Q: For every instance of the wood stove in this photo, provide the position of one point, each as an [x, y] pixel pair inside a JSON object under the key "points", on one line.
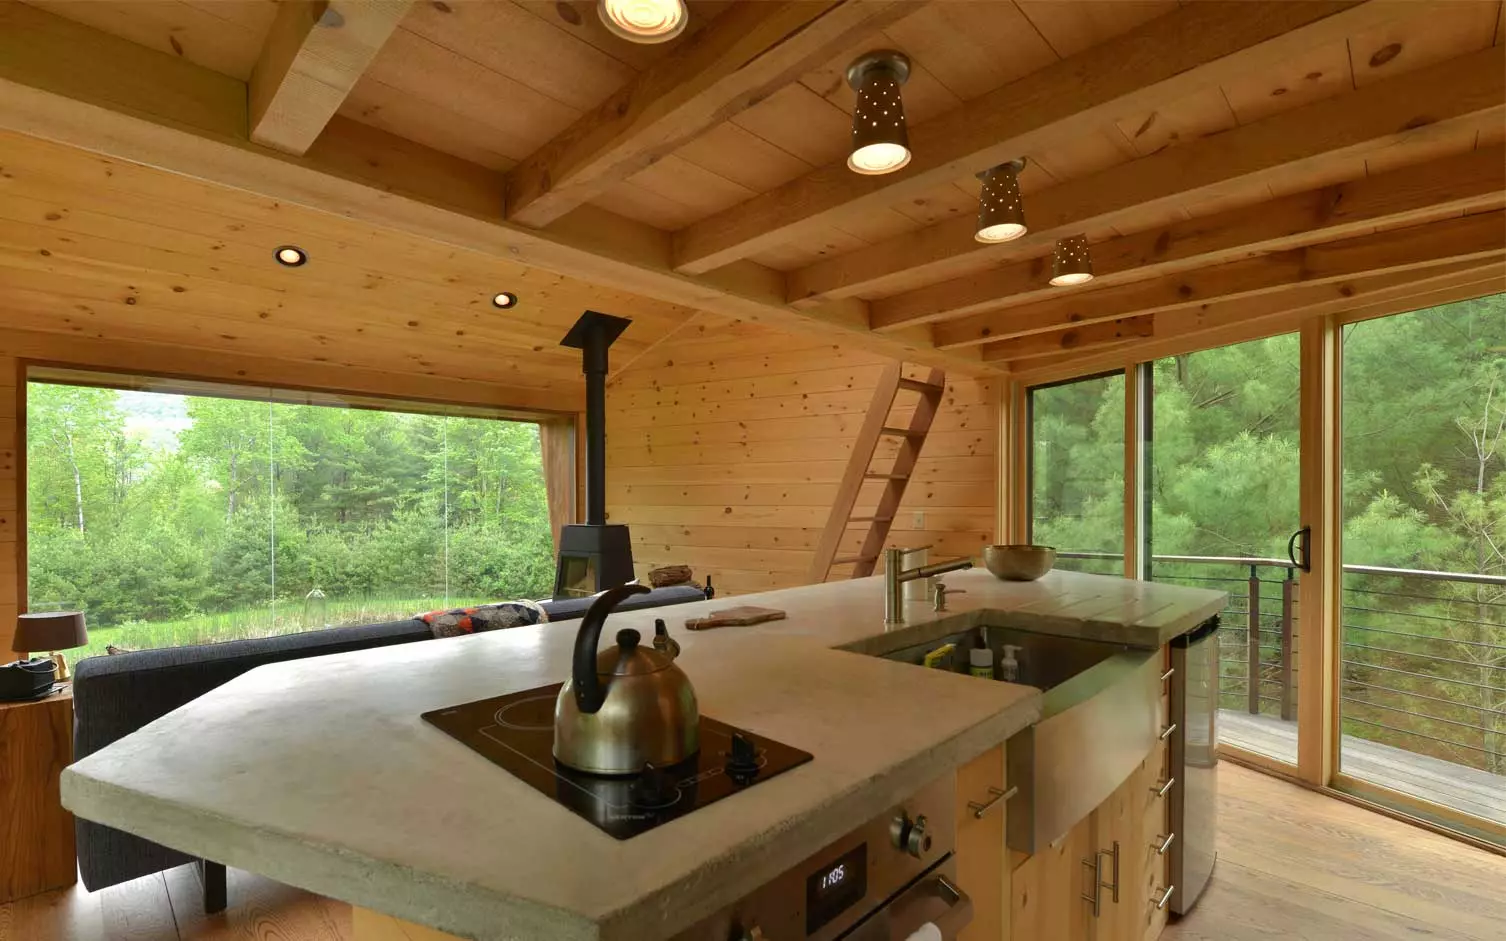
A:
{"points": [[594, 556]]}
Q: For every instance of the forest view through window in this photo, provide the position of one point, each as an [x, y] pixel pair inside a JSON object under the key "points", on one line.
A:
{"points": [[182, 519]]}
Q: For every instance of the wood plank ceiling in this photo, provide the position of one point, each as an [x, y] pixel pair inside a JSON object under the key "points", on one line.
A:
{"points": [[1224, 160]]}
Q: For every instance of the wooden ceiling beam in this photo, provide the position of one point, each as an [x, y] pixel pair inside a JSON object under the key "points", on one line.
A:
{"points": [[1251, 318], [1198, 46], [746, 54], [1421, 193], [1073, 339], [1467, 92], [313, 56], [64, 82], [1437, 243]]}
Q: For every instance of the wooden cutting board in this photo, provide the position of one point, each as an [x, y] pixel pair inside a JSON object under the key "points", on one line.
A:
{"points": [[735, 617]]}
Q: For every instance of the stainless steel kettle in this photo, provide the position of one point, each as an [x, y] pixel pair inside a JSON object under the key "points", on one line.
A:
{"points": [[625, 707]]}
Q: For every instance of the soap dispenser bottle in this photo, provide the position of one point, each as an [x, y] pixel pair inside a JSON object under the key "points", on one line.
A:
{"points": [[1009, 667], [980, 660]]}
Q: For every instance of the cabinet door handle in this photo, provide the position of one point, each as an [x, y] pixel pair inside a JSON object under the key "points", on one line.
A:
{"points": [[1096, 864], [1161, 790], [998, 797], [1162, 844], [1166, 732], [1164, 898], [1168, 674]]}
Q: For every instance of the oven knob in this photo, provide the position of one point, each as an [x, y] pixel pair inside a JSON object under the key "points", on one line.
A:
{"points": [[909, 835]]}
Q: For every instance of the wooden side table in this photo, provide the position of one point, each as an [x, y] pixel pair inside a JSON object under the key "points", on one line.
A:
{"points": [[36, 743]]}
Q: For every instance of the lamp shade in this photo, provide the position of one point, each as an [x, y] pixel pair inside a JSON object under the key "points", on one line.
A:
{"points": [[1001, 211], [880, 139], [1073, 263], [51, 630]]}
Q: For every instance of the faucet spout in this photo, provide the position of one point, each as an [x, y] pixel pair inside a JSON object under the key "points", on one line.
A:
{"points": [[895, 576]]}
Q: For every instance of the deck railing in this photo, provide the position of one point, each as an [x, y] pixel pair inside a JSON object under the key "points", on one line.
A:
{"points": [[1424, 662]]}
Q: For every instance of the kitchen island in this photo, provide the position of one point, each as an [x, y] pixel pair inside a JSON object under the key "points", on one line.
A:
{"points": [[320, 773]]}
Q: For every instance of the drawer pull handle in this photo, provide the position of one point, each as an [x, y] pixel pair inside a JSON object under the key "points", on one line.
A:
{"points": [[1096, 864], [1163, 789], [1168, 674], [1164, 898], [1166, 732], [998, 797], [1162, 845]]}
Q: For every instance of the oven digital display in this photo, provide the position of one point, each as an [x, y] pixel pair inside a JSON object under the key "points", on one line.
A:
{"points": [[835, 887]]}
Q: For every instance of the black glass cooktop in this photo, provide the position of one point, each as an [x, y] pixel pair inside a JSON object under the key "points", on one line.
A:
{"points": [[517, 732]]}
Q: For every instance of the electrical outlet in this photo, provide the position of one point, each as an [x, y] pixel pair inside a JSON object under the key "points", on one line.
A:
{"points": [[919, 522]]}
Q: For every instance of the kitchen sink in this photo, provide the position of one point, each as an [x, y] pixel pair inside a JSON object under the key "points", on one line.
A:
{"points": [[1100, 716]]}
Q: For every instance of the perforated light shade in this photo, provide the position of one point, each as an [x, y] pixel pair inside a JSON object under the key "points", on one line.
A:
{"points": [[880, 138], [644, 21], [1073, 263], [1001, 211]]}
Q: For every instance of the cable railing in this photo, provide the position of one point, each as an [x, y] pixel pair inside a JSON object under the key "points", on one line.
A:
{"points": [[1424, 653]]}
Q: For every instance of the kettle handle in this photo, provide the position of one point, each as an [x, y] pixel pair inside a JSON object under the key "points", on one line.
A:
{"points": [[589, 691]]}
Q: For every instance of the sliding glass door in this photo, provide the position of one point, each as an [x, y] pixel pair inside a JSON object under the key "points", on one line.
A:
{"points": [[1076, 472], [1222, 501], [1422, 692]]}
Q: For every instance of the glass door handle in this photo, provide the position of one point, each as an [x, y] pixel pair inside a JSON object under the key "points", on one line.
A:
{"points": [[1304, 536]]}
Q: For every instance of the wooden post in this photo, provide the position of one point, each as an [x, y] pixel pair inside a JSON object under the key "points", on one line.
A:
{"points": [[1317, 631]]}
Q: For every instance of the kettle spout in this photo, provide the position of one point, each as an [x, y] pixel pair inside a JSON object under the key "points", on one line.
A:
{"points": [[590, 693]]}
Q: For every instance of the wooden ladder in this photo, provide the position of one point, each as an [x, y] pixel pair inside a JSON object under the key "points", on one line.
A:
{"points": [[876, 426]]}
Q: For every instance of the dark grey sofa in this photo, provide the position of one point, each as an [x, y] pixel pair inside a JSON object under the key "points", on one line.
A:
{"points": [[115, 696]]}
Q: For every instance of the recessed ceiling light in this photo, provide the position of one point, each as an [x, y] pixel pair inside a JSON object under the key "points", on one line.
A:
{"points": [[644, 21], [290, 256], [1001, 211], [1073, 263], [504, 300], [880, 140]]}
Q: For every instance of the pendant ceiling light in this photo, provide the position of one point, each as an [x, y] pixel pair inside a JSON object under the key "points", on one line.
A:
{"points": [[1073, 263], [644, 21], [880, 140], [1001, 212]]}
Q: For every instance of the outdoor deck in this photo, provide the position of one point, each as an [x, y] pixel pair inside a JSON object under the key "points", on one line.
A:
{"points": [[1430, 779]]}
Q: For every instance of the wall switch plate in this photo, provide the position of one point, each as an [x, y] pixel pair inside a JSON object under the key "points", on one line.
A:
{"points": [[920, 520]]}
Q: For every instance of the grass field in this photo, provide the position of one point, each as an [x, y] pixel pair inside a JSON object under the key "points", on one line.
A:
{"points": [[260, 621]]}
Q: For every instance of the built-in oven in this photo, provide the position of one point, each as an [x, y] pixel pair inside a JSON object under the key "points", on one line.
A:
{"points": [[892, 879]]}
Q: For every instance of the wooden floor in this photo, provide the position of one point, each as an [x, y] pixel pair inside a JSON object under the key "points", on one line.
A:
{"points": [[1478, 793], [1293, 865]]}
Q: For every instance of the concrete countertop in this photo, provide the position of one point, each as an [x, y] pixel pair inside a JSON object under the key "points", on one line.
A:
{"points": [[320, 773]]}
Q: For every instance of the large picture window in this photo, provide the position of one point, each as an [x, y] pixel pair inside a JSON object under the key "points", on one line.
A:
{"points": [[173, 518]]}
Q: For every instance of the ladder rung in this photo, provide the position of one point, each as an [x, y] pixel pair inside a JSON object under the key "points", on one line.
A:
{"points": [[871, 519], [916, 385], [848, 560], [886, 476], [900, 432]]}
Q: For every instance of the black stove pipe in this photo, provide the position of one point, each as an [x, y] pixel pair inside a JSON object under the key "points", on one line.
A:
{"points": [[593, 334]]}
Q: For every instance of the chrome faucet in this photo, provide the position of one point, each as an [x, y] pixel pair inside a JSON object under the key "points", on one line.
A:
{"points": [[895, 576]]}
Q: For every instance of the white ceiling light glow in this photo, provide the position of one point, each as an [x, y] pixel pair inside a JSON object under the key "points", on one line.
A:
{"points": [[644, 21], [880, 139]]}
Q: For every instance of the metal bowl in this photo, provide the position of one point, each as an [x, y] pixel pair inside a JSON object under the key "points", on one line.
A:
{"points": [[1019, 563]]}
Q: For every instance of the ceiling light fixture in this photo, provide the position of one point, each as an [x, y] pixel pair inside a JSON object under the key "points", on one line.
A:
{"points": [[290, 256], [504, 300], [1001, 211], [644, 21], [880, 140], [1073, 263]]}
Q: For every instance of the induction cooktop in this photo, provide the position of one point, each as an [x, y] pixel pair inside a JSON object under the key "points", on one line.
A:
{"points": [[516, 732]]}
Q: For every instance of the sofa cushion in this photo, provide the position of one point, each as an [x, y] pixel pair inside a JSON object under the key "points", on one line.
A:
{"points": [[484, 617]]}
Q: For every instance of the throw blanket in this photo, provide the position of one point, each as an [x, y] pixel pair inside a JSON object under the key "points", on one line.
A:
{"points": [[486, 617]]}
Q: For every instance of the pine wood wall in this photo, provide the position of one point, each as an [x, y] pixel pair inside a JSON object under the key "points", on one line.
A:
{"points": [[726, 444], [10, 503]]}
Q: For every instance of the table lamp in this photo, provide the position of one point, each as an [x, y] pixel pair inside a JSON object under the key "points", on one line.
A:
{"points": [[51, 631]]}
